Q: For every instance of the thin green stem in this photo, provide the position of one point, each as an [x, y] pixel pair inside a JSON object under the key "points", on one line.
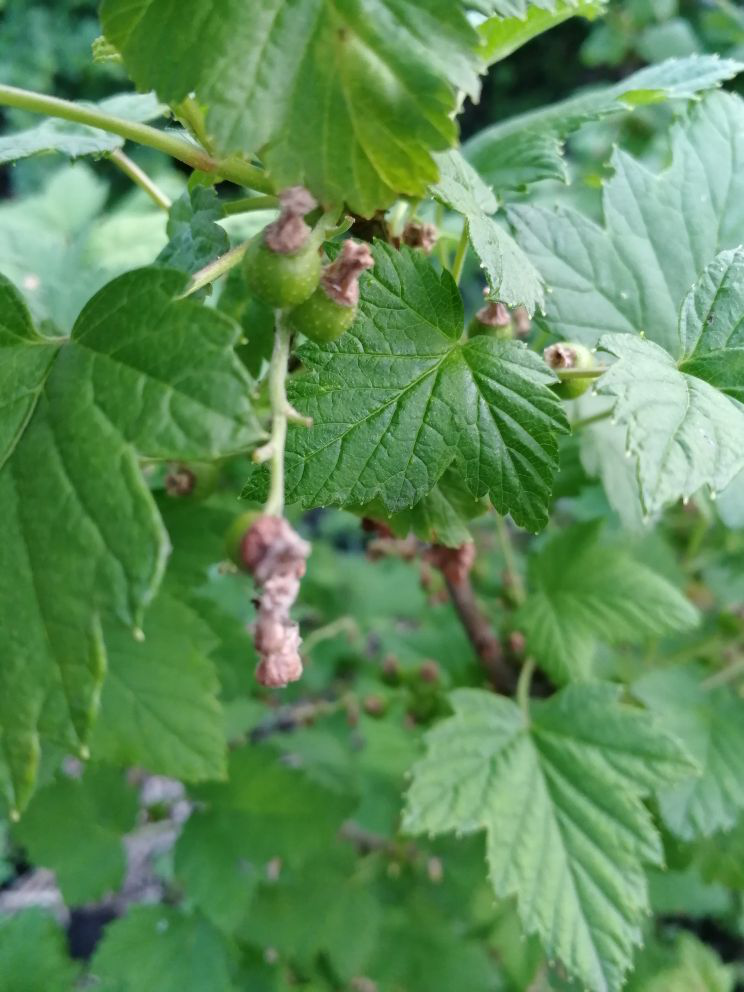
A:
{"points": [[234, 168], [594, 419], [726, 675], [441, 246], [460, 253], [507, 549], [215, 269], [247, 204], [580, 373], [279, 406], [140, 178], [190, 114], [524, 682]]}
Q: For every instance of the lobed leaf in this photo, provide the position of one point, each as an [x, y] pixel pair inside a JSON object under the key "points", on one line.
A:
{"points": [[529, 147], [559, 796], [141, 375], [399, 396], [711, 723], [347, 99], [582, 592]]}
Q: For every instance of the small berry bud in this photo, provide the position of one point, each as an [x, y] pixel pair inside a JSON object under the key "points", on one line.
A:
{"points": [[419, 235], [429, 671], [454, 563], [373, 706], [569, 355], [492, 319], [517, 643]]}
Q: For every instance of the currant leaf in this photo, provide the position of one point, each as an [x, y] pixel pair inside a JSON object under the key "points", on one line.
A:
{"points": [[349, 100], [126, 383], [527, 148], [559, 796], [711, 722], [582, 591], [661, 230], [399, 395], [511, 276]]}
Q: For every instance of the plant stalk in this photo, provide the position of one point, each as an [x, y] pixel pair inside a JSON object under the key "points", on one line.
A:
{"points": [[233, 168], [460, 253], [213, 270], [279, 407], [140, 178], [580, 373]]}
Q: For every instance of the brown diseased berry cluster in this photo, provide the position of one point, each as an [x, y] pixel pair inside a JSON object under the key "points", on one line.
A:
{"points": [[275, 556]]}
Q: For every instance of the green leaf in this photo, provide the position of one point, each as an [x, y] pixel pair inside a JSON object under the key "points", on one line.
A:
{"points": [[400, 395], [583, 591], [213, 863], [341, 915], [141, 375], [75, 827], [430, 954], [504, 35], [687, 966], [559, 796], [721, 858], [25, 361], [58, 249], [711, 723], [711, 325], [348, 100], [33, 955], [529, 147], [510, 274], [661, 231], [684, 433], [162, 949], [79, 139], [195, 238], [262, 803], [159, 707]]}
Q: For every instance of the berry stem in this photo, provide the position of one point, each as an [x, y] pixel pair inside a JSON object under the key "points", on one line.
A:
{"points": [[234, 168], [580, 373], [246, 204], [523, 685], [279, 406], [140, 178], [594, 419], [460, 253], [510, 562], [213, 270]]}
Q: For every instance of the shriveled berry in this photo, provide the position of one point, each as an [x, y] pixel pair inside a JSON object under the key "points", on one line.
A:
{"points": [[569, 355]]}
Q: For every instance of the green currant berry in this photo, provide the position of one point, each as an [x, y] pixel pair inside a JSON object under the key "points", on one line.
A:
{"points": [[194, 481], [235, 534], [493, 320], [320, 318], [281, 279], [501, 333], [570, 355]]}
